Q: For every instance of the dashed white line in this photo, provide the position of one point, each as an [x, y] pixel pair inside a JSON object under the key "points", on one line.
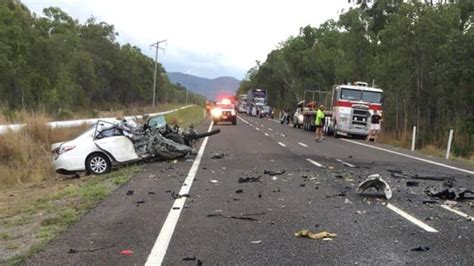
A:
{"points": [[411, 157], [160, 247], [281, 144], [302, 144], [411, 219], [314, 162], [460, 213], [243, 120], [346, 163], [266, 134]]}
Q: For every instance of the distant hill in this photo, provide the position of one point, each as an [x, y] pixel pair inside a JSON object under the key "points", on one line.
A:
{"points": [[211, 88]]}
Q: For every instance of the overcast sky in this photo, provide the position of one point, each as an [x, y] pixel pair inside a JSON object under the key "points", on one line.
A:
{"points": [[207, 38]]}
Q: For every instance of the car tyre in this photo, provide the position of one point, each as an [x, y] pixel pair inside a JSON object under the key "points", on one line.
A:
{"points": [[234, 121], [98, 164]]}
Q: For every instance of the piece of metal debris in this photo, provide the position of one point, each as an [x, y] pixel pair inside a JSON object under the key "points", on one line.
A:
{"points": [[317, 236], [412, 183], [217, 155], [450, 193], [232, 217], [273, 173], [375, 181], [249, 179], [420, 248]]}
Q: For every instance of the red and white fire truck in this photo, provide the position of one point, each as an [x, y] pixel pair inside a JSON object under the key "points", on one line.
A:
{"points": [[350, 110]]}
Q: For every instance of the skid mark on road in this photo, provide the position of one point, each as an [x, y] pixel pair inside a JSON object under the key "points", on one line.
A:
{"points": [[460, 213], [314, 162], [160, 247], [410, 156], [411, 218]]}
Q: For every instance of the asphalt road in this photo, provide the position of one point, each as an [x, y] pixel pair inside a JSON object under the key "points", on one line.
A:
{"points": [[227, 222]]}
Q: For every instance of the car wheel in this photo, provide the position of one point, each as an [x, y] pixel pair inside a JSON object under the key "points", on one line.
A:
{"points": [[98, 164], [234, 121]]}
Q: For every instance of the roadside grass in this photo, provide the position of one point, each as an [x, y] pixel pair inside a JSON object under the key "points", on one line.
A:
{"points": [[404, 141], [36, 205]]}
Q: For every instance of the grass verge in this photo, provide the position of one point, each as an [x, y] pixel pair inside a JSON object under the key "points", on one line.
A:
{"points": [[34, 211]]}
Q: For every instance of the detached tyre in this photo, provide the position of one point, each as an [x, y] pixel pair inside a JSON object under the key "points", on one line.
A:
{"points": [[98, 164]]}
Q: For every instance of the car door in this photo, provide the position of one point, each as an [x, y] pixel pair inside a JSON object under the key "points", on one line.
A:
{"points": [[116, 144]]}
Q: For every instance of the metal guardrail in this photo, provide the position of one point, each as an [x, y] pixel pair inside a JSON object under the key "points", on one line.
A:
{"points": [[74, 123]]}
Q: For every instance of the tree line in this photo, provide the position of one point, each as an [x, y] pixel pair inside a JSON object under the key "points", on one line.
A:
{"points": [[420, 53], [52, 62]]}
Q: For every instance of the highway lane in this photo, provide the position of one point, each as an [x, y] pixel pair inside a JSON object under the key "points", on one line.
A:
{"points": [[304, 197]]}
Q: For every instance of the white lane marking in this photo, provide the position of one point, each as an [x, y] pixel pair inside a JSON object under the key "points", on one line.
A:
{"points": [[345, 163], [257, 128], [281, 144], [302, 144], [262, 125], [283, 135], [411, 157], [460, 213], [158, 251], [314, 162], [270, 129], [243, 120], [266, 134], [411, 219]]}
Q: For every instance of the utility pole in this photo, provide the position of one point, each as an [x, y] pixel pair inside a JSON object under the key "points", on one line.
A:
{"points": [[157, 46]]}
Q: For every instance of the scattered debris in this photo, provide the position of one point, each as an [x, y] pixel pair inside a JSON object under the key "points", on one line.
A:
{"points": [[217, 155], [429, 202], [73, 251], [399, 174], [140, 202], [177, 196], [312, 235], [249, 179], [232, 217], [375, 181], [257, 242], [347, 201], [346, 164], [126, 252], [174, 161], [151, 193], [450, 193], [129, 193], [420, 248], [302, 185], [273, 173], [239, 191], [213, 181], [175, 208], [189, 258], [413, 183]]}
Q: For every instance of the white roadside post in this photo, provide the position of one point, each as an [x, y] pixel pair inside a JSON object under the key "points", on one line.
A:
{"points": [[413, 138], [450, 140]]}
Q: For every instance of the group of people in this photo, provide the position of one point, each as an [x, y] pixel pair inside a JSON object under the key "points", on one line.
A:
{"points": [[375, 120]]}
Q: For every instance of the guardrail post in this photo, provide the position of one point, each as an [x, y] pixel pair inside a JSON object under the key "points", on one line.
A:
{"points": [[448, 150], [413, 139]]}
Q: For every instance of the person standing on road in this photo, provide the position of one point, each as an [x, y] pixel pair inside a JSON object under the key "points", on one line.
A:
{"points": [[319, 123], [375, 120]]}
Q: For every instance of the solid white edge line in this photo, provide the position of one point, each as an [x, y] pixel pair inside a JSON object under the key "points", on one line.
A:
{"points": [[302, 144], [411, 157], [346, 163], [411, 218], [243, 120], [314, 162], [281, 144], [460, 213], [266, 134], [160, 247]]}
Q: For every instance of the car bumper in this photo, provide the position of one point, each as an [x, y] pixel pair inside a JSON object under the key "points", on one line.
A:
{"points": [[352, 130], [68, 164]]}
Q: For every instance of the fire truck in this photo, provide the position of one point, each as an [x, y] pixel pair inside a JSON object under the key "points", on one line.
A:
{"points": [[350, 109]]}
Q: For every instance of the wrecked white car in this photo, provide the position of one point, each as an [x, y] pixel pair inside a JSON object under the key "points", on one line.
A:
{"points": [[107, 144]]}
